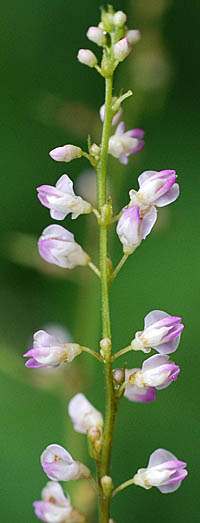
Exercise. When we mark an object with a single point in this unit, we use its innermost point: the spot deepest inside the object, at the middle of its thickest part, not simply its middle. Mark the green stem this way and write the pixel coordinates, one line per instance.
(121, 352)
(92, 353)
(122, 486)
(119, 266)
(104, 503)
(94, 269)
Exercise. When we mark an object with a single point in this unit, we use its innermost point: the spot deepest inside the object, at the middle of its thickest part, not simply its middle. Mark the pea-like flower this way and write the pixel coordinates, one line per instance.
(122, 143)
(59, 465)
(132, 228)
(135, 392)
(61, 199)
(161, 332)
(55, 507)
(49, 351)
(158, 372)
(83, 415)
(57, 245)
(66, 153)
(116, 117)
(156, 188)
(164, 471)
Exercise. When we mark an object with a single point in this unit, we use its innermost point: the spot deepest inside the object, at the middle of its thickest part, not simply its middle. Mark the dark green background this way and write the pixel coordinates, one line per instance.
(40, 80)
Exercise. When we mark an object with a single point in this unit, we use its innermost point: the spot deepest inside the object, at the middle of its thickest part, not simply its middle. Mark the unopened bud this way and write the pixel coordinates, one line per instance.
(96, 35)
(94, 434)
(119, 376)
(98, 446)
(133, 36)
(95, 150)
(106, 66)
(119, 18)
(122, 49)
(87, 57)
(105, 345)
(66, 153)
(106, 21)
(107, 485)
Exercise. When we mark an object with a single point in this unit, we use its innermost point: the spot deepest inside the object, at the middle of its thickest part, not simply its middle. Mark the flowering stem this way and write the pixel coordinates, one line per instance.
(93, 353)
(119, 266)
(121, 352)
(122, 486)
(104, 502)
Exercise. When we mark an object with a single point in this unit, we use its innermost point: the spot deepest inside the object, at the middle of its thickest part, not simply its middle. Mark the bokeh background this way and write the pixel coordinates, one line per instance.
(48, 99)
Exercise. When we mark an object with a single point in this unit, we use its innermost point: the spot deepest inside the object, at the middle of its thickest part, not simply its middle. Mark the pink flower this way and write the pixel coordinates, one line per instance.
(161, 332)
(61, 199)
(122, 143)
(164, 471)
(135, 393)
(49, 351)
(59, 465)
(156, 188)
(57, 245)
(55, 506)
(132, 227)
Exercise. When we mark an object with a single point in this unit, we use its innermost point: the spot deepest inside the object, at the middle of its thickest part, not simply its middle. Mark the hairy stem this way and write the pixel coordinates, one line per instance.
(104, 502)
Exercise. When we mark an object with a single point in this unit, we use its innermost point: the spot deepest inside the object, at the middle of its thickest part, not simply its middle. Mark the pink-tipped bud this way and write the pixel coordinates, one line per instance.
(66, 153)
(94, 434)
(122, 49)
(87, 57)
(96, 35)
(118, 376)
(133, 36)
(119, 18)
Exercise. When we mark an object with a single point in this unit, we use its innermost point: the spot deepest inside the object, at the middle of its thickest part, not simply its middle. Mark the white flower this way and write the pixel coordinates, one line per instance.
(61, 199)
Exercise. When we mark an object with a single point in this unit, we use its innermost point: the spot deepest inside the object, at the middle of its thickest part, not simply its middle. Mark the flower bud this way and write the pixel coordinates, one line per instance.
(94, 434)
(83, 414)
(164, 471)
(59, 465)
(119, 18)
(105, 345)
(95, 150)
(107, 485)
(66, 153)
(118, 376)
(96, 35)
(133, 36)
(122, 49)
(87, 57)
(106, 21)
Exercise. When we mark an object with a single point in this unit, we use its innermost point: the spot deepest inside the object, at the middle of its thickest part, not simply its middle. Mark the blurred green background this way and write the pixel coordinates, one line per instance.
(48, 99)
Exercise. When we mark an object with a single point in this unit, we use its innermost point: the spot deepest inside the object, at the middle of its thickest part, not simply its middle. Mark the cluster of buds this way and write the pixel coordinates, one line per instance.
(112, 28)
